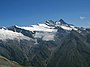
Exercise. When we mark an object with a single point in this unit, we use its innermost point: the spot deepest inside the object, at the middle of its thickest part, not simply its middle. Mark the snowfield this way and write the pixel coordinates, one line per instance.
(7, 34)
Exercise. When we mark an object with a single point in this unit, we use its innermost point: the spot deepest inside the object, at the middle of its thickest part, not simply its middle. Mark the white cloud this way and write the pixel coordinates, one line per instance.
(82, 17)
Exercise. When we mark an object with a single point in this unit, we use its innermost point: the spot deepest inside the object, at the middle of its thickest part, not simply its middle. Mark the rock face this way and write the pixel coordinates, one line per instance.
(52, 44)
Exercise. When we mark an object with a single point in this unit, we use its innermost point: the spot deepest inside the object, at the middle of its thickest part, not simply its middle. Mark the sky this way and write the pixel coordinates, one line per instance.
(28, 12)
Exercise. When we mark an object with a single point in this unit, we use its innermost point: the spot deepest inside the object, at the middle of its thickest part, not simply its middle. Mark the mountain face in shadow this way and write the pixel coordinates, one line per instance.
(73, 52)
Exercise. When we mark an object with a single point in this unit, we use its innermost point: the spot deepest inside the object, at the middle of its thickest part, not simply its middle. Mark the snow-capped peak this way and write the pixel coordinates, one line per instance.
(65, 26)
(49, 26)
(46, 30)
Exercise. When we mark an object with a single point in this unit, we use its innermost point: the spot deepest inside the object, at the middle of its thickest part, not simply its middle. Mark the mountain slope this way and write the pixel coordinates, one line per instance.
(50, 44)
(73, 52)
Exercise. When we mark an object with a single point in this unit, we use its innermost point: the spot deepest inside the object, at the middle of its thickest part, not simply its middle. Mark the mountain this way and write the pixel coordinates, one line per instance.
(50, 44)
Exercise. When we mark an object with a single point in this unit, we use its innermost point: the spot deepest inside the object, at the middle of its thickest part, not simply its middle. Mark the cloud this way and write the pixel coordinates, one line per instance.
(82, 17)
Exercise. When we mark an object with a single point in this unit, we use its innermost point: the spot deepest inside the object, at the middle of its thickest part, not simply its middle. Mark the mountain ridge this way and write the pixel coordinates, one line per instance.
(50, 44)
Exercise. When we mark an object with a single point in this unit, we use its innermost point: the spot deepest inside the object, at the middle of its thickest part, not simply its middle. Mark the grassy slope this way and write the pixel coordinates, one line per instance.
(4, 62)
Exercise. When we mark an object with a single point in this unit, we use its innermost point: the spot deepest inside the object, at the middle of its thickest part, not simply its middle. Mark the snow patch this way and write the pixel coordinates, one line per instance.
(7, 34)
(66, 28)
(44, 36)
(73, 27)
(40, 27)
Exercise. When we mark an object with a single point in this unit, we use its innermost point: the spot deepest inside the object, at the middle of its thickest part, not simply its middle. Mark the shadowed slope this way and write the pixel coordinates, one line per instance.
(73, 52)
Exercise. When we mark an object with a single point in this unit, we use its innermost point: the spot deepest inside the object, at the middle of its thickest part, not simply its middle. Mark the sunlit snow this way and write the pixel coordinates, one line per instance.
(68, 28)
(40, 27)
(7, 34)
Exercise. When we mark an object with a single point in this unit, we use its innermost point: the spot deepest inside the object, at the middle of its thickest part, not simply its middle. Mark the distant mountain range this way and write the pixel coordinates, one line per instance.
(51, 44)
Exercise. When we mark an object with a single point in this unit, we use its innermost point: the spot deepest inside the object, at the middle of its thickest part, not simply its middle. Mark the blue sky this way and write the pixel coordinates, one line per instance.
(27, 12)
